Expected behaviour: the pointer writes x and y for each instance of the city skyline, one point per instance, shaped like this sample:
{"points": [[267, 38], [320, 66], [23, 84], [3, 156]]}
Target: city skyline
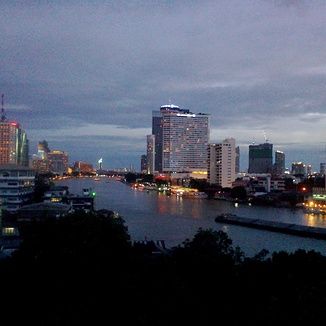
{"points": [[86, 77]]}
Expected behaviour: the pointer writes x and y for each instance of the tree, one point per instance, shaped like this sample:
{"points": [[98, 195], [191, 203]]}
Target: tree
{"points": [[78, 235], [42, 184]]}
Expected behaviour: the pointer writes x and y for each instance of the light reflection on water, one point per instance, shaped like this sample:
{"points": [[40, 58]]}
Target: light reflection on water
{"points": [[153, 215]]}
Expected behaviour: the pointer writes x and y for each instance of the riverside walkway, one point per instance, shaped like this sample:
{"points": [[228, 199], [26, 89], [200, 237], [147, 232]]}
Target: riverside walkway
{"points": [[288, 228]]}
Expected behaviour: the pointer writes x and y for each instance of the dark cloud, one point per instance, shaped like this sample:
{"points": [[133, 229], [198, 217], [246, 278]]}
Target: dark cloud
{"points": [[72, 66]]}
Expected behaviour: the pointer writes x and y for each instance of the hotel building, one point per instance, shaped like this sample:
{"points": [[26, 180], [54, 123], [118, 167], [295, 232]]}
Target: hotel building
{"points": [[185, 136]]}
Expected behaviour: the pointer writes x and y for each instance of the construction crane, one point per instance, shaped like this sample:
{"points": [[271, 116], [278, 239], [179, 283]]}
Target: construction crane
{"points": [[266, 140]]}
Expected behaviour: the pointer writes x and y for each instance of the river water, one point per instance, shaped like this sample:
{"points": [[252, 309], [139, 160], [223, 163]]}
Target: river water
{"points": [[155, 216]]}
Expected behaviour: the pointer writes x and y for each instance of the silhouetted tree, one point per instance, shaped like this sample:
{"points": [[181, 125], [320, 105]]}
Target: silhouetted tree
{"points": [[239, 193]]}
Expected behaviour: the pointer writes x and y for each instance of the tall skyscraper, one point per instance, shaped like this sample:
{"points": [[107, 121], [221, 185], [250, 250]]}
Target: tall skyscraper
{"points": [[143, 163], [58, 162], [237, 159], [260, 158], [14, 145], [150, 154], [43, 150], [222, 163], [157, 131], [185, 138], [279, 162]]}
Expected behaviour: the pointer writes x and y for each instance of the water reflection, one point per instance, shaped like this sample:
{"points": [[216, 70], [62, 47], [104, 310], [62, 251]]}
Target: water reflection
{"points": [[155, 215]]}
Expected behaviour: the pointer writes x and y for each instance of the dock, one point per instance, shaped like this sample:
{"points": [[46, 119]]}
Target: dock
{"points": [[287, 228]]}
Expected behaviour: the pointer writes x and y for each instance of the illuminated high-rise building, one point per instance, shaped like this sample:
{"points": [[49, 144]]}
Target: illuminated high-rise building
{"points": [[184, 140], [43, 150], [58, 162], [14, 145]]}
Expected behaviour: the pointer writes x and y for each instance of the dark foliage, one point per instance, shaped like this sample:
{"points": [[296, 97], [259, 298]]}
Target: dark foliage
{"points": [[42, 184], [83, 270]]}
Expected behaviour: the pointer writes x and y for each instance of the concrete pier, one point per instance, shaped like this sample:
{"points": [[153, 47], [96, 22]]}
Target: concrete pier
{"points": [[287, 228]]}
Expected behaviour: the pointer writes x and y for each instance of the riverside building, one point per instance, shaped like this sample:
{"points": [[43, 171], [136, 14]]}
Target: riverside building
{"points": [[222, 163], [150, 154], [185, 136]]}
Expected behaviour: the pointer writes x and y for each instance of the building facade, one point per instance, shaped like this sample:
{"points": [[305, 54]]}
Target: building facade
{"points": [[150, 154], [298, 168], [58, 162], [14, 145], [237, 159], [279, 163], [157, 131], [260, 158], [143, 163], [17, 185], [221, 168], [185, 140]]}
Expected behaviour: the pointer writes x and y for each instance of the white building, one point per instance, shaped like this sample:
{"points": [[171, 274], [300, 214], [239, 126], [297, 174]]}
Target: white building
{"points": [[185, 139], [221, 163], [17, 184]]}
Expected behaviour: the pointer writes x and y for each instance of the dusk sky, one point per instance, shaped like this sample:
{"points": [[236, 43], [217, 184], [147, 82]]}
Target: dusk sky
{"points": [[86, 75]]}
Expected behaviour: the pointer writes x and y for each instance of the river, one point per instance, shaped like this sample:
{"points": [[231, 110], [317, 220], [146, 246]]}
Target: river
{"points": [[153, 215]]}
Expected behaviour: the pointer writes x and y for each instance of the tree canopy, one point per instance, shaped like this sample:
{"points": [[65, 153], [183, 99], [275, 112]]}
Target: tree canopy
{"points": [[83, 269]]}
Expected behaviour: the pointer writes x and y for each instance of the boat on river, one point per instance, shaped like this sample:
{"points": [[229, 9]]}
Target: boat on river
{"points": [[316, 204], [193, 194]]}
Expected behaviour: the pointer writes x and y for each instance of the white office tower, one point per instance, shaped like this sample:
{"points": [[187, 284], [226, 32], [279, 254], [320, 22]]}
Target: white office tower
{"points": [[221, 163], [150, 154], [185, 139]]}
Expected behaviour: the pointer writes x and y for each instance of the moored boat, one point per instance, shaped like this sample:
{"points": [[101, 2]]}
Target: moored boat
{"points": [[316, 204], [193, 194]]}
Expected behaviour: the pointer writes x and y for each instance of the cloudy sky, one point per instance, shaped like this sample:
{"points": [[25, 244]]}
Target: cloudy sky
{"points": [[86, 75]]}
